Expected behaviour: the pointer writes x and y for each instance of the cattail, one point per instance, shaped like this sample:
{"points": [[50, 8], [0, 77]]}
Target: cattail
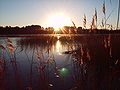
{"points": [[11, 49], [111, 27], [48, 60], [110, 2], [9, 40], [105, 43], [93, 21], [104, 9], [38, 58], [74, 24], [102, 23], [84, 21], [82, 52], [88, 56], [10, 45], [95, 14], [81, 61]]}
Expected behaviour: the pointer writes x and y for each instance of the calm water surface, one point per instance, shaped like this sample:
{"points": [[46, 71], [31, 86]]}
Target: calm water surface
{"points": [[60, 62]]}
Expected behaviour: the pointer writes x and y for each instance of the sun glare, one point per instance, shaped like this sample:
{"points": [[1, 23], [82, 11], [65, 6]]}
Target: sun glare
{"points": [[58, 20]]}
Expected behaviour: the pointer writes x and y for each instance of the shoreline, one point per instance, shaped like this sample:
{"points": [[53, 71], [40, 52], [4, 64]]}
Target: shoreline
{"points": [[37, 35]]}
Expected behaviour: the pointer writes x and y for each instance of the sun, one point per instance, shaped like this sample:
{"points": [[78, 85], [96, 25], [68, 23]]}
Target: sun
{"points": [[58, 20]]}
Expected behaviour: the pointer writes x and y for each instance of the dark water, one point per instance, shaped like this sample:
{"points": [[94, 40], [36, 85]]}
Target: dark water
{"points": [[84, 62]]}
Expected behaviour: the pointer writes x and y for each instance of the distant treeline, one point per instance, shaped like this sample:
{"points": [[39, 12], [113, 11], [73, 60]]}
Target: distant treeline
{"points": [[33, 29], [37, 29]]}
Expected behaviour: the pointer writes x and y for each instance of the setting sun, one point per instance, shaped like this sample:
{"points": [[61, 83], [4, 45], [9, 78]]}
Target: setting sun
{"points": [[58, 20]]}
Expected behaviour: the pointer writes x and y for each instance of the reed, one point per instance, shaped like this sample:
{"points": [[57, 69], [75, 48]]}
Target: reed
{"points": [[9, 48]]}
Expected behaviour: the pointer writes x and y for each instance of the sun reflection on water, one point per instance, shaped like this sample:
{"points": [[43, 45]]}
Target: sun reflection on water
{"points": [[58, 47]]}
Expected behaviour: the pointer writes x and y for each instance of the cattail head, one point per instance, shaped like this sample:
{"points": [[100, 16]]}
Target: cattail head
{"points": [[9, 41], [38, 57], [103, 8], [93, 20], [48, 60], [95, 14], [11, 49], [10, 45], [84, 21], [102, 23], [88, 56]]}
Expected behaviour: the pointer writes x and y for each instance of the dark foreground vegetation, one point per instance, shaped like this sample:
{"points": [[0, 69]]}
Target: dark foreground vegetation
{"points": [[32, 63], [36, 29]]}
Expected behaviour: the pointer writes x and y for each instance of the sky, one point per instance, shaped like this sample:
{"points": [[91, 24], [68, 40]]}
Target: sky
{"points": [[37, 12]]}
